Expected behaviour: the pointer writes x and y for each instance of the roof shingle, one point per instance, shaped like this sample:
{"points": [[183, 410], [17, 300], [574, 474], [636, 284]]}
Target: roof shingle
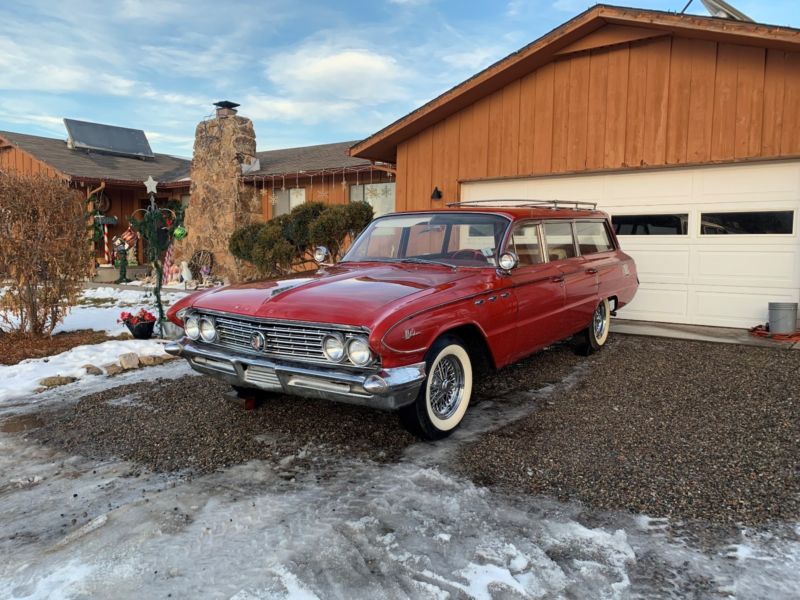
{"points": [[95, 165], [307, 158]]}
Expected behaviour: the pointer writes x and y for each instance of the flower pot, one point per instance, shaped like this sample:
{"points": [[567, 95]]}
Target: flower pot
{"points": [[142, 330]]}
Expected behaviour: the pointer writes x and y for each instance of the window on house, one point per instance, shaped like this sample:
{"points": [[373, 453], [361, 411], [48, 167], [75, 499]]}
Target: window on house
{"points": [[286, 200], [592, 237], [380, 196], [662, 224], [560, 244], [754, 222], [525, 243]]}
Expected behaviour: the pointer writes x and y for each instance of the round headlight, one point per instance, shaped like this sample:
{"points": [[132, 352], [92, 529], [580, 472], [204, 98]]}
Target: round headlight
{"points": [[358, 351], [192, 328], [207, 330], [333, 347]]}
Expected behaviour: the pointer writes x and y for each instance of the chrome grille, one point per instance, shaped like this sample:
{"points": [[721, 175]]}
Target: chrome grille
{"points": [[283, 339]]}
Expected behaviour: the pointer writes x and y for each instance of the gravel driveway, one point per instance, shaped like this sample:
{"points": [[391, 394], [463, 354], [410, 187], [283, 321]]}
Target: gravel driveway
{"points": [[156, 487], [668, 428]]}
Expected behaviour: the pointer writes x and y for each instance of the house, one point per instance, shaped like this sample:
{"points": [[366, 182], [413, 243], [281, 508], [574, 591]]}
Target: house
{"points": [[116, 161], [685, 129], [113, 175], [322, 173]]}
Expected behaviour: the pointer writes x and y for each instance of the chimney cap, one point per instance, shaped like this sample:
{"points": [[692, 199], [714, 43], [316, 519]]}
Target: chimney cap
{"points": [[225, 104]]}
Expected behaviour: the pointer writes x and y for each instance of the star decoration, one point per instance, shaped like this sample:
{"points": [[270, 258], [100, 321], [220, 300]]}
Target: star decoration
{"points": [[150, 184]]}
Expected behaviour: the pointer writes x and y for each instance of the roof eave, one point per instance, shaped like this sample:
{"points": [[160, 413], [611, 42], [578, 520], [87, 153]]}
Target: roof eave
{"points": [[383, 144]]}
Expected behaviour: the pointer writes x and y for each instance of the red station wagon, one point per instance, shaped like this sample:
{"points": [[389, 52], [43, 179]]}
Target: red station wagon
{"points": [[421, 303]]}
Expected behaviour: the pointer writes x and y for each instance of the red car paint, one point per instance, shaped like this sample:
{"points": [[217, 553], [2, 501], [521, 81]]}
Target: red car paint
{"points": [[407, 306]]}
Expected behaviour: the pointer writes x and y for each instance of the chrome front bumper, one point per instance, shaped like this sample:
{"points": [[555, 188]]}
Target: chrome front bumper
{"points": [[385, 389]]}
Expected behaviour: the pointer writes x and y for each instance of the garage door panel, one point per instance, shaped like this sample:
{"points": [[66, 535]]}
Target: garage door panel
{"points": [[728, 307], [742, 267], [661, 265], [771, 180], [653, 302]]}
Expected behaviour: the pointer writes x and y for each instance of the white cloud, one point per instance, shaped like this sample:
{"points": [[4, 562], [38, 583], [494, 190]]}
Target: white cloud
{"points": [[322, 71]]}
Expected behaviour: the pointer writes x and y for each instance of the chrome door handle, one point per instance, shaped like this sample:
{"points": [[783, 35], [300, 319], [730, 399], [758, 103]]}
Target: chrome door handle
{"points": [[591, 271], [505, 295], [557, 278]]}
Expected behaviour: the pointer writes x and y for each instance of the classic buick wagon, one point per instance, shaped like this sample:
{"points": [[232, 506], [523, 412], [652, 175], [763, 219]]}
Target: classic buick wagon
{"points": [[421, 304]]}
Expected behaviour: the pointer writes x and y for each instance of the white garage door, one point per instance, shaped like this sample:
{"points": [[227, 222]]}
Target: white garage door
{"points": [[695, 264]]}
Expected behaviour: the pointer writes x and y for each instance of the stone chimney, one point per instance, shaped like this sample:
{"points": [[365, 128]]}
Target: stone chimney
{"points": [[220, 202]]}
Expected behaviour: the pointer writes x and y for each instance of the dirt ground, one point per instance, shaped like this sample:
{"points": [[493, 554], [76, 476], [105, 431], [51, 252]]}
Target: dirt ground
{"points": [[15, 347]]}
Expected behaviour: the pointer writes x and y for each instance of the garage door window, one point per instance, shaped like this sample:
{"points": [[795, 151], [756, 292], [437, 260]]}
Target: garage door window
{"points": [[560, 244], [663, 224], [592, 237], [762, 222]]}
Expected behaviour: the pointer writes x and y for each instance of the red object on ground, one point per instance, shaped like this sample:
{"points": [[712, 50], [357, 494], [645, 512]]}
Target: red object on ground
{"points": [[762, 331]]}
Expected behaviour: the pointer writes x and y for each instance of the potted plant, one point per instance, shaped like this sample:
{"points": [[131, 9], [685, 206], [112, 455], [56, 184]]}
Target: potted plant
{"points": [[140, 324]]}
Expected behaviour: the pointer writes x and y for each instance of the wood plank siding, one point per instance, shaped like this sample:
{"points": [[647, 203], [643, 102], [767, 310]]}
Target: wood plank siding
{"points": [[19, 161], [659, 101]]}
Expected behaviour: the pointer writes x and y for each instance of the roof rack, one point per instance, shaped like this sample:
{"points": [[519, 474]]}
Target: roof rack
{"points": [[525, 203]]}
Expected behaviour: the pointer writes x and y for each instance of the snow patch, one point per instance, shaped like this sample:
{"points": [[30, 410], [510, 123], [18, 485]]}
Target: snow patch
{"points": [[23, 378]]}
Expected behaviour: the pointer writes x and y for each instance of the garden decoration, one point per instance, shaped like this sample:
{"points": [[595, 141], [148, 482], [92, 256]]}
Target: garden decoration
{"points": [[156, 225], [121, 250], [140, 324]]}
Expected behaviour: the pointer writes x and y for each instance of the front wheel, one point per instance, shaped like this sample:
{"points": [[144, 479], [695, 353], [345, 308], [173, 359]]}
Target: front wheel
{"points": [[444, 396], [596, 334]]}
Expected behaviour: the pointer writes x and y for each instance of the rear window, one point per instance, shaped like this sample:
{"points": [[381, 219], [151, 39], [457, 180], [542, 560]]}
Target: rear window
{"points": [[592, 237], [761, 222], [560, 244], [663, 224]]}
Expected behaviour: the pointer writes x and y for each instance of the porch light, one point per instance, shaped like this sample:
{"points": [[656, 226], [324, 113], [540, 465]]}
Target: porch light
{"points": [[437, 194]]}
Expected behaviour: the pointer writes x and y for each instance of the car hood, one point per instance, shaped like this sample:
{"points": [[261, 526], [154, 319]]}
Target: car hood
{"points": [[358, 294]]}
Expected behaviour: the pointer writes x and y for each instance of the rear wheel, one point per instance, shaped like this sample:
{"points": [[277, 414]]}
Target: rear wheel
{"points": [[444, 397], [596, 335]]}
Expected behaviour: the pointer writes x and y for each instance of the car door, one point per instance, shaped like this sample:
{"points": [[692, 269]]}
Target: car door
{"points": [[538, 288], [597, 248], [579, 279]]}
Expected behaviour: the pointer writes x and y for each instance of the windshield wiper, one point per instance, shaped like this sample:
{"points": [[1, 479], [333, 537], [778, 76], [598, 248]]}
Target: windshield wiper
{"points": [[427, 261]]}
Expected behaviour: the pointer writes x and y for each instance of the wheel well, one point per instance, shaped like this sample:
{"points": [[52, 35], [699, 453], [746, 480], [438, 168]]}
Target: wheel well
{"points": [[477, 348]]}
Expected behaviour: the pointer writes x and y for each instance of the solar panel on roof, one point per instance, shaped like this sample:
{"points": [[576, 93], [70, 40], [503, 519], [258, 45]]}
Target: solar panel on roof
{"points": [[108, 138]]}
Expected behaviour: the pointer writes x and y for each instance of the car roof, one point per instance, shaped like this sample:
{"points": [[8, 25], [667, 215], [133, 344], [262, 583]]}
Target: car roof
{"points": [[516, 213]]}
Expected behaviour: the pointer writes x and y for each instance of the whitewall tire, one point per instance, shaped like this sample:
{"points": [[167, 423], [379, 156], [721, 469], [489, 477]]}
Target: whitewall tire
{"points": [[444, 396], [597, 332]]}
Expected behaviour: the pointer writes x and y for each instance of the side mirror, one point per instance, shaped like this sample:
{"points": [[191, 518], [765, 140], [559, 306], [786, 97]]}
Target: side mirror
{"points": [[321, 254], [508, 261]]}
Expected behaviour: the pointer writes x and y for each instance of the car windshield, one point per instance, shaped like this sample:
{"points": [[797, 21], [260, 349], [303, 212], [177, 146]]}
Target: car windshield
{"points": [[449, 238]]}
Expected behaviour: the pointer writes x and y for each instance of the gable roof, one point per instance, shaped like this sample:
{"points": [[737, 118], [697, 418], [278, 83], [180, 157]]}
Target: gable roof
{"points": [[608, 24], [95, 166], [307, 158]]}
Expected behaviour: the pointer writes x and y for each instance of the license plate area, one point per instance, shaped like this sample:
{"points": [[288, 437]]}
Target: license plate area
{"points": [[263, 377]]}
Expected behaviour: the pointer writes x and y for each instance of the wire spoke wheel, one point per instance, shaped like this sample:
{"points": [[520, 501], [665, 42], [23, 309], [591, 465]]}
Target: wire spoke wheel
{"points": [[600, 321], [447, 387]]}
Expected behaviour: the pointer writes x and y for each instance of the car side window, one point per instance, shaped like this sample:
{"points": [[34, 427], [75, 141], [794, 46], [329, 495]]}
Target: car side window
{"points": [[525, 243], [560, 244], [592, 237]]}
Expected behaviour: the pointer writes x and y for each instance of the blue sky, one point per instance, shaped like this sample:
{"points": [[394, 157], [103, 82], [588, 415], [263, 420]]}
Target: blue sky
{"points": [[306, 72]]}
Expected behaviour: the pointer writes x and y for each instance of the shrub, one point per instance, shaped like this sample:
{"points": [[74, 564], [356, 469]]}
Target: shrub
{"points": [[45, 251], [287, 241]]}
